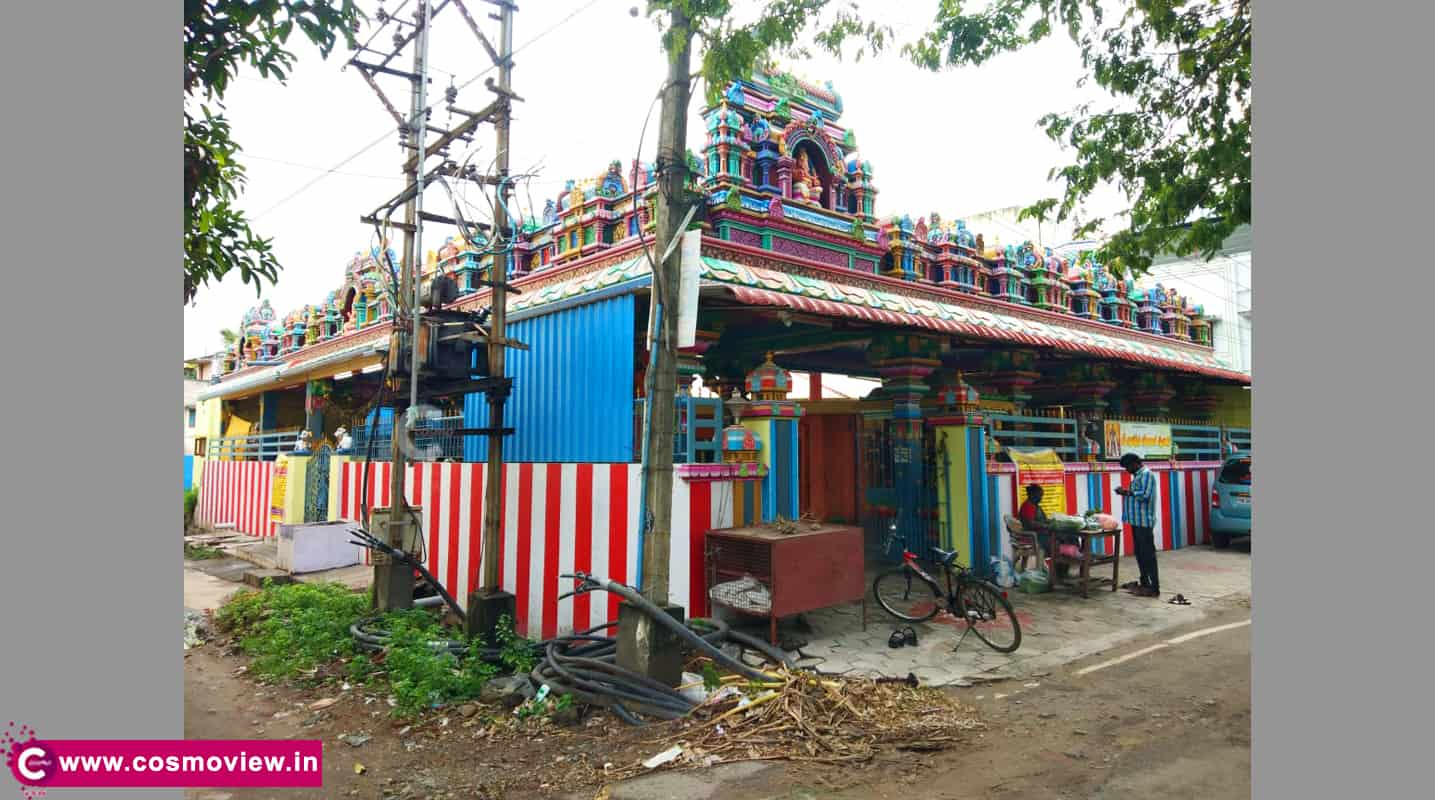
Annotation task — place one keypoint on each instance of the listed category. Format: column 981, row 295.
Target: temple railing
column 252, row 447
column 436, row 440
column 1035, row 432
column 697, row 430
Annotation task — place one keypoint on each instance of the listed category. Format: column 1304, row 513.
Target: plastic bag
column 1033, row 581
column 1069, row 550
column 1065, row 522
column 1002, row 572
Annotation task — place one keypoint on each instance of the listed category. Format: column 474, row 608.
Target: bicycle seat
column 946, row 557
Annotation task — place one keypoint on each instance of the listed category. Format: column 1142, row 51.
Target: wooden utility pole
column 394, row 581
column 490, row 603
column 662, row 380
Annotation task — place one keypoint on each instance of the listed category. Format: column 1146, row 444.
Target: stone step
column 256, row 577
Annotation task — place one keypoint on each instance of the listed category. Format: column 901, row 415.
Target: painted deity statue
column 802, row 178
column 612, row 184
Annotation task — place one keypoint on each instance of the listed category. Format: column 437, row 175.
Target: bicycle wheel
column 906, row 596
column 995, row 622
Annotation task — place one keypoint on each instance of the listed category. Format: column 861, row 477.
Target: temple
column 979, row 346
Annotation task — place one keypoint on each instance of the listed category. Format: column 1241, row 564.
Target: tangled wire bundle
column 585, row 665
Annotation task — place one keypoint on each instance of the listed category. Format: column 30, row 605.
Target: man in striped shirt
column 1139, row 511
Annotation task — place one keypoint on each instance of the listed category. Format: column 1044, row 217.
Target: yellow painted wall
column 292, row 503
column 952, row 490
column 207, row 423
column 1235, row 408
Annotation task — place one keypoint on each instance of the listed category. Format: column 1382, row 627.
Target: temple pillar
column 1151, row 395
column 904, row 362
column 959, row 432
column 316, row 400
column 772, row 418
column 1009, row 374
column 1195, row 401
column 1088, row 384
column 268, row 420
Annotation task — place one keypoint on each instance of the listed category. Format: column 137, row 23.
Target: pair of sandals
column 902, row 637
column 1135, row 588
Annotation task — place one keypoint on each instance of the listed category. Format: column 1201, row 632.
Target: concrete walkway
column 1057, row 627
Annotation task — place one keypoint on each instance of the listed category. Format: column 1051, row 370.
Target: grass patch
column 300, row 632
column 201, row 552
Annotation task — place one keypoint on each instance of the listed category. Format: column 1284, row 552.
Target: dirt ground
column 1174, row 721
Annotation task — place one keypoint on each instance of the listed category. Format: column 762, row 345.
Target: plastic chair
column 1024, row 544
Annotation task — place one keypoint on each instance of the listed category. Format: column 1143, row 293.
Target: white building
column 197, row 377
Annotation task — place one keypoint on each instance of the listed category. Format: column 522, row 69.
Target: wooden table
column 1088, row 559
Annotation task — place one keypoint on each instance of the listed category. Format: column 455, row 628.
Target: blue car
column 1231, row 501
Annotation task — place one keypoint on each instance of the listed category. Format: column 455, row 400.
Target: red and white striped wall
column 556, row 519
column 237, row 493
column 1183, row 514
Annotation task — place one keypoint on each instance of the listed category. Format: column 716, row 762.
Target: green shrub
column 516, row 653
column 420, row 678
column 191, row 500
column 292, row 629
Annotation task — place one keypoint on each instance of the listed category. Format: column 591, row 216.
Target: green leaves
column 221, row 37
column 1176, row 140
column 292, row 629
column 731, row 51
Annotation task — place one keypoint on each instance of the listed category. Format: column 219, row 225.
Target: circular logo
column 34, row 763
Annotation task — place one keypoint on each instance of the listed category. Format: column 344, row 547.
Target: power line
column 366, row 148
column 322, row 169
column 525, row 45
column 387, row 132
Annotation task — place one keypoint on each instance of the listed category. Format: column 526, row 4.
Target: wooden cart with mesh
column 802, row 571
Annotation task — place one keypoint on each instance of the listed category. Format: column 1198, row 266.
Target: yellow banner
column 1145, row 439
column 281, row 480
column 1045, row 469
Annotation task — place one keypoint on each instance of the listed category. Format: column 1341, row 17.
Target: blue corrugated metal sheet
column 573, row 388
column 188, row 472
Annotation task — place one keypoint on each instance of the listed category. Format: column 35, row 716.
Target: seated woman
column 1033, row 518
column 1030, row 513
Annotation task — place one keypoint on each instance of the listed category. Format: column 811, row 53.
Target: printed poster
column 276, row 499
column 1045, row 469
column 1145, row 439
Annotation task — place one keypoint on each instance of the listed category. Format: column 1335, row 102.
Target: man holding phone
column 1139, row 511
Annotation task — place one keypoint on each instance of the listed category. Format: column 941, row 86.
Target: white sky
column 957, row 142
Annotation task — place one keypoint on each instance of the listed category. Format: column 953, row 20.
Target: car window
column 1237, row 472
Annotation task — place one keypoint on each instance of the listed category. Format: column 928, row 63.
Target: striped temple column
column 961, row 478
column 904, row 362
column 773, row 419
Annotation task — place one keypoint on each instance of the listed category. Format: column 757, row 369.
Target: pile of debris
column 801, row 716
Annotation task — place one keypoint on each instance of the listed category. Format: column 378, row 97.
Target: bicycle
column 981, row 604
